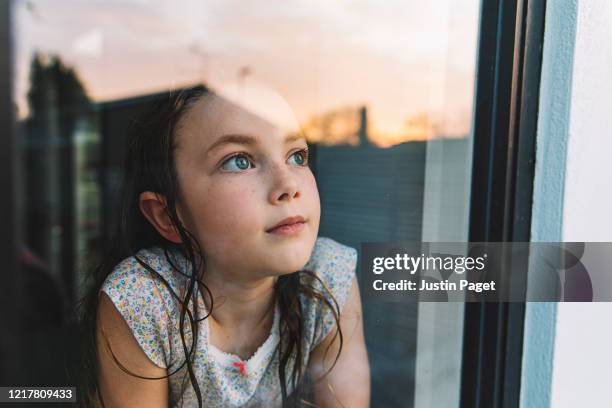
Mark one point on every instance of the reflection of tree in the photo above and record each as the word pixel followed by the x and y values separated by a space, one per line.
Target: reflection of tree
pixel 418 127
pixel 56 101
pixel 337 126
pixel 350 125
pixel 51 79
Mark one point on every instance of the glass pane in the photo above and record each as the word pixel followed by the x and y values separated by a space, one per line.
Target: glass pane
pixel 382 91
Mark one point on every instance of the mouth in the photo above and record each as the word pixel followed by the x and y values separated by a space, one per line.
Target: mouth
pixel 288 226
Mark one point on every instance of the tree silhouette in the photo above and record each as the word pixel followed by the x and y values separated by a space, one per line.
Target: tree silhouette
pixel 56 101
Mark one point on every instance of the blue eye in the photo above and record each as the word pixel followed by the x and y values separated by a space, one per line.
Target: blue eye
pixel 237 163
pixel 301 157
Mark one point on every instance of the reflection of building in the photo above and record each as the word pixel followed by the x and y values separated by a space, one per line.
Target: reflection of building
pixel 73 151
pixel 377 194
pixel 115 118
pixel 58 110
pixel 57 144
pixel 373 194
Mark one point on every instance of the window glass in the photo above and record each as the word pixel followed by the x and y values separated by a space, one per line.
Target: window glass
pixel 383 92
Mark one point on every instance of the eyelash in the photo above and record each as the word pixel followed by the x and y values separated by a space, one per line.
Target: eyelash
pixel 304 153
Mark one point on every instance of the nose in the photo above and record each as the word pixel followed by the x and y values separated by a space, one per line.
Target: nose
pixel 285 186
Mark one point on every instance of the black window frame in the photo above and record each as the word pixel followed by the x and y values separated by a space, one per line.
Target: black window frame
pixel 11 287
pixel 505 125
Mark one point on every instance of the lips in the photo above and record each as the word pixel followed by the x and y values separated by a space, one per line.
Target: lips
pixel 298 219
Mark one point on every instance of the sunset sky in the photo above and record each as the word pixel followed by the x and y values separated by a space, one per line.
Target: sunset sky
pixel 411 63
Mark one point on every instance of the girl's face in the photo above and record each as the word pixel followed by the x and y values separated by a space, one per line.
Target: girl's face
pixel 239 176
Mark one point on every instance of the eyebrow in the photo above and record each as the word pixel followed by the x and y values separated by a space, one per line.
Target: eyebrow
pixel 245 140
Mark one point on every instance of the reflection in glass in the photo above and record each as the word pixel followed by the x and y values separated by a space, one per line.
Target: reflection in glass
pixel 382 91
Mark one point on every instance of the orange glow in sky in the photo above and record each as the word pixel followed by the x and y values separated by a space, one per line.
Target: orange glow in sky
pixel 410 63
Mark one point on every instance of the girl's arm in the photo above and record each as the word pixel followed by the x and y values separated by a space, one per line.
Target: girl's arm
pixel 348 383
pixel 119 389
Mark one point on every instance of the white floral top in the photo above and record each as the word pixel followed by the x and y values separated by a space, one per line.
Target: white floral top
pixel 152 314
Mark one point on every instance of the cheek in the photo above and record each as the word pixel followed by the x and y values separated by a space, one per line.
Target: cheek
pixel 224 213
pixel 311 197
pixel 225 216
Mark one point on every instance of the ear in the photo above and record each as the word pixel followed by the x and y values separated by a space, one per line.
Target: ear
pixel 153 207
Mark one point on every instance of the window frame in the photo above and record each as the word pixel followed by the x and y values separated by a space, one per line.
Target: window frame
pixel 505 125
pixel 12 283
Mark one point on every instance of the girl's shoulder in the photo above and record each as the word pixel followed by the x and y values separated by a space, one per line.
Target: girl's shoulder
pixel 146 268
pixel 334 264
pixel 145 302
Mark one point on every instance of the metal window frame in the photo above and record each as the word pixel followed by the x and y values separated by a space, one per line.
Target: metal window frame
pixel 11 287
pixel 506 110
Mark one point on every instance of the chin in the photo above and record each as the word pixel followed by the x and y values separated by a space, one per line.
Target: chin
pixel 291 263
pixel 291 258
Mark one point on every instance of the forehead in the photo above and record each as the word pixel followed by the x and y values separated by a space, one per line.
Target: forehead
pixel 214 116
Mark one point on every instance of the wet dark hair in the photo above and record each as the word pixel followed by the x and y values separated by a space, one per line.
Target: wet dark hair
pixel 150 166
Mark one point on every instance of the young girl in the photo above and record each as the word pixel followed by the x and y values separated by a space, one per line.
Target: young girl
pixel 218 292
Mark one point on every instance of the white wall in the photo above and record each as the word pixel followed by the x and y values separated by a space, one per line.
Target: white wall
pixel 582 363
pixel 588 188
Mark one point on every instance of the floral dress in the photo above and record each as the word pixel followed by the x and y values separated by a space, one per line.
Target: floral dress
pixel 225 380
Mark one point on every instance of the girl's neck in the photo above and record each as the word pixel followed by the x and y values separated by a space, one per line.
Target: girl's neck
pixel 235 304
pixel 242 314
